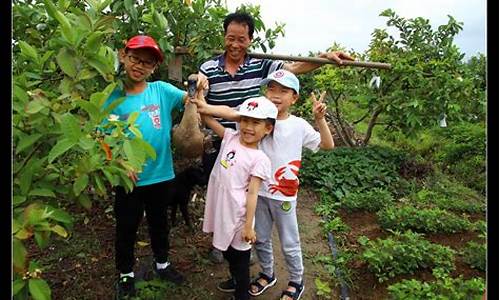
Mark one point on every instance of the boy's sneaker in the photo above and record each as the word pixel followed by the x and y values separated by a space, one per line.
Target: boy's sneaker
pixel 125 287
pixel 169 273
pixel 228 286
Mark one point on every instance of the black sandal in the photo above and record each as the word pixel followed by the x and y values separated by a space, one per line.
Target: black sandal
pixel 299 289
pixel 271 281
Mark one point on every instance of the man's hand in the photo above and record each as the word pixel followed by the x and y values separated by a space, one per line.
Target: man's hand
pixel 202 83
pixel 336 56
pixel 318 108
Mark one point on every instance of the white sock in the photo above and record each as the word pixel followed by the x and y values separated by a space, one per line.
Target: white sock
pixel 131 274
pixel 162 266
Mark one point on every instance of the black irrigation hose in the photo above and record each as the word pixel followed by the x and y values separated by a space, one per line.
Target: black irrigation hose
pixel 344 290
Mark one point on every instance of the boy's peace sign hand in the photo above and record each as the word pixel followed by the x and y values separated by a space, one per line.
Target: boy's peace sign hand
pixel 319 108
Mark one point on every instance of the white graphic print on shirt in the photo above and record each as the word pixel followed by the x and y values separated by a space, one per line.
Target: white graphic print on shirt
pixel 154 114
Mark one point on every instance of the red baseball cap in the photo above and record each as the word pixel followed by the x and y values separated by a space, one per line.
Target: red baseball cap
pixel 144 41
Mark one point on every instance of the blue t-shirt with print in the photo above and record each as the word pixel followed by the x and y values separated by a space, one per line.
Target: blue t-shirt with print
pixel 155 105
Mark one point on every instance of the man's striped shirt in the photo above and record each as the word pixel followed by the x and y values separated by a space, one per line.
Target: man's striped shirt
pixel 230 90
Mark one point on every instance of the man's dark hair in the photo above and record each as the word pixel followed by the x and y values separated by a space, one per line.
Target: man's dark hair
pixel 240 17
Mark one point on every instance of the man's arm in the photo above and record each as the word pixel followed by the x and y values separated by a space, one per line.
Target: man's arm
pixel 305 67
pixel 319 111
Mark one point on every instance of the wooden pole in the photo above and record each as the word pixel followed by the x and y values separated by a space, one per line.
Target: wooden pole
pixel 318 60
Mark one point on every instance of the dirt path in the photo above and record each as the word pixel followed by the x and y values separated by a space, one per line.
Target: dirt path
pixel 83 266
pixel 313 244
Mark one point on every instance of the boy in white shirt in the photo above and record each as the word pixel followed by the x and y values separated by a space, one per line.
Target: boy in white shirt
pixel 278 198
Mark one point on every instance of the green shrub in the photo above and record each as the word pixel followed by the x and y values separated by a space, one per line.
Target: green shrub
pixel 372 200
pixel 421 220
pixel 344 170
pixel 475 255
pixel 445 194
pixel 404 253
pixel 335 225
pixel 444 287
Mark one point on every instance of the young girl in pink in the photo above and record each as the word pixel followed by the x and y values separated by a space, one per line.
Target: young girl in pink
pixel 233 189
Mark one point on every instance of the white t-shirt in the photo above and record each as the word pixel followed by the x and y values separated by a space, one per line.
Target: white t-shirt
pixel 284 148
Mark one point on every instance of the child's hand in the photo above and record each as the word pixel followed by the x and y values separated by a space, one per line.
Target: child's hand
pixel 319 108
pixel 132 176
pixel 248 235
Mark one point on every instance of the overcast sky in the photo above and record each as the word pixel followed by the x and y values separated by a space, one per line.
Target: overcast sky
pixel 313 25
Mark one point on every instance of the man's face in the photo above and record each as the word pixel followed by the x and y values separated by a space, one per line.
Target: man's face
pixel 236 41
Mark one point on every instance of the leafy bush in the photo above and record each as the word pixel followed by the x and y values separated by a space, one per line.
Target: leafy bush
pixel 444 287
pixel 421 220
pixel 464 154
pixel 371 200
pixel 338 268
pixel 445 194
pixel 335 224
pixel 458 150
pixel 475 255
pixel 404 253
pixel 346 170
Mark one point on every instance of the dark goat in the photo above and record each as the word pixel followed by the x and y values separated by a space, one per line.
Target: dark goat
pixel 183 185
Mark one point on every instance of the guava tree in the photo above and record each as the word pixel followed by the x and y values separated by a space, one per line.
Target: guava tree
pixel 67 148
pixel 428 80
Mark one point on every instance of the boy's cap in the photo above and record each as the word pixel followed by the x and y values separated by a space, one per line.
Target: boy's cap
pixel 258 108
pixel 144 41
pixel 283 77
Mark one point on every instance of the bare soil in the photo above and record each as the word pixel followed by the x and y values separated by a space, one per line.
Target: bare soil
pixel 82 267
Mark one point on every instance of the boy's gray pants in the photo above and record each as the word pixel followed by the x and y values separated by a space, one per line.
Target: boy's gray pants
pixel 270 211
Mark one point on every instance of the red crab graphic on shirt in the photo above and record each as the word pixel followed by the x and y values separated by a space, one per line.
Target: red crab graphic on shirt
pixel 287 179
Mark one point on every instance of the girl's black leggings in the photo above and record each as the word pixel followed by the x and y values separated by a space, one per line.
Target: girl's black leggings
pixel 239 266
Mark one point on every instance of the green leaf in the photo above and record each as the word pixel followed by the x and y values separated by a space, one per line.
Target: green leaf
pixel 80 184
pixel 101 188
pixel 59 230
pixel 84 200
pixel 132 11
pixel 86 143
pixel 39 289
pixel 86 74
pixel 90 108
pixel 70 127
pixel 20 94
pixel 19 254
pixel 160 21
pixel 34 106
pixel 148 149
pixel 29 51
pixel 102 66
pixel 66 62
pixel 132 117
pixel 16 200
pixel 17 286
pixel 60 148
pixel 96 98
pixel 25 179
pixel 27 141
pixel 110 177
pixel 103 22
pixel 60 215
pixel 94 41
pixel 135 131
pixel 42 192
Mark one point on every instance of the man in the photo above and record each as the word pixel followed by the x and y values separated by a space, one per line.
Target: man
pixel 233 76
